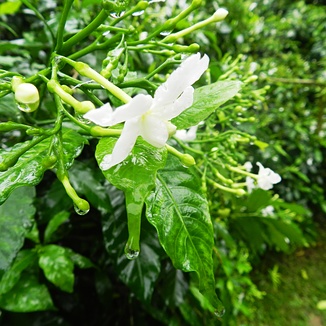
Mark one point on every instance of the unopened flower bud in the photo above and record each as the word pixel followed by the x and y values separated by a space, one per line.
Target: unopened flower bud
pixel 27 96
pixel 220 14
pixel 187 160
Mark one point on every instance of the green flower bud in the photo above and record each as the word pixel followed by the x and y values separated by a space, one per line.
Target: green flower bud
pixel 187 160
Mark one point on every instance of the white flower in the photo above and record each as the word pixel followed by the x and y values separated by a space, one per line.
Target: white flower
pixel 267 177
pixel 148 116
pixel 268 211
pixel 250 184
pixel 187 135
pixel 248 166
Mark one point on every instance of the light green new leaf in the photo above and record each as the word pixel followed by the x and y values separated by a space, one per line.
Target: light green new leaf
pixel 27 295
pixel 29 169
pixel 57 266
pixel 181 217
pixel 206 100
pixel 15 222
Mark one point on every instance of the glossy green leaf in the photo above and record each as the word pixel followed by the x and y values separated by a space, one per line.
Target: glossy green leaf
pixel 175 286
pixel 181 217
pixel 15 222
pixel 79 260
pixel 24 259
pixel 9 110
pixel 54 224
pixel 136 177
pixel 57 267
pixel 206 100
pixel 137 172
pixel 29 169
pixel 27 295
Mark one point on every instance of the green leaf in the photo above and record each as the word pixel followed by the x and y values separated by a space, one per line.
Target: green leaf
pixel 9 7
pixel 258 199
pixel 137 172
pixel 29 169
pixel 206 100
pixel 175 286
pixel 181 217
pixel 8 108
pixel 15 221
pixel 27 295
pixel 57 266
pixel 24 259
pixel 79 260
pixel 54 224
pixel 136 177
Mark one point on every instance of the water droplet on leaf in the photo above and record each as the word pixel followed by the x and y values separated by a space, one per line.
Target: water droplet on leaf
pixel 80 211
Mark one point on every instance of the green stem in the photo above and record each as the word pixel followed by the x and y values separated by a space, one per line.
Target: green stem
pixel 62 23
pixel 98 20
pixel 238 192
pixel 87 71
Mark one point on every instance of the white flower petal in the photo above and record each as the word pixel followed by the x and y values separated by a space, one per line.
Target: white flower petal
pixel 250 184
pixel 154 130
pixel 187 135
pixel 248 166
pixel 123 146
pixel 189 72
pixel 138 105
pixel 174 109
pixel 101 116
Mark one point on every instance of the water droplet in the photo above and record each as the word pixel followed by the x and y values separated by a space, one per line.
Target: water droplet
pixel 131 253
pixel 219 312
pixel 165 33
pixel 24 107
pixel 138 13
pixel 80 211
pixel 117 14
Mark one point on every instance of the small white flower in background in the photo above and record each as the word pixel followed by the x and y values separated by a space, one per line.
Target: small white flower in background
pixel 267 177
pixel 268 211
pixel 149 116
pixel 248 166
pixel 187 135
